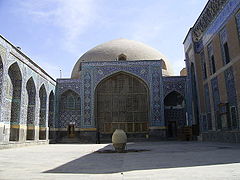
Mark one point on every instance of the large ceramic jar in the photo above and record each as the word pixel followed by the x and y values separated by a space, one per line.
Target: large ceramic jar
pixel 119 140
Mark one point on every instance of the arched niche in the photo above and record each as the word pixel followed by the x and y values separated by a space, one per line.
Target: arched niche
pixel 31 109
pixel 164 65
pixel 1 79
pixel 122 57
pixel 174 100
pixel 70 101
pixel 69 111
pixel 121 102
pixel 16 80
pixel 174 114
pixel 51 109
pixel 42 113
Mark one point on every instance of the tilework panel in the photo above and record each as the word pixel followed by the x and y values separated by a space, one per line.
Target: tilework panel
pixel 188 92
pixel 231 92
pixel 203 64
pixel 31 90
pixel 208 107
pixel 238 23
pixel 1 84
pixel 94 72
pixel 16 80
pixel 211 10
pixel 148 71
pixel 14 106
pixel 51 110
pixel 68 114
pixel 43 105
pixel 215 26
pixel 87 99
pixel 62 119
pixel 216 100
pixel 178 84
pixel 204 123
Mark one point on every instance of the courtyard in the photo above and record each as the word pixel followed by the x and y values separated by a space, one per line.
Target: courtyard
pixel 155 160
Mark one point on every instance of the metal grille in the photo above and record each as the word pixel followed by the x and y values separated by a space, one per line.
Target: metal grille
pixel 122 103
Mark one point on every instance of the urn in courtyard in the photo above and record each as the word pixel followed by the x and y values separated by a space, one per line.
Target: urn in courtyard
pixel 119 140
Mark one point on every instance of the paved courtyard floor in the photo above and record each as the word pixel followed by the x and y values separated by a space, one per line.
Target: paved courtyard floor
pixel 162 161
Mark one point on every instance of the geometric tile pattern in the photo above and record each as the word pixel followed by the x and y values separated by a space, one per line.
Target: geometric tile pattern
pixel 92 73
pixel 31 90
pixel 148 71
pixel 21 103
pixel 51 110
pixel 43 106
pixel 16 80
pixel 177 84
pixel 69 109
pixel 238 23
pixel 231 93
pixel 216 101
pixel 1 80
pixel 208 122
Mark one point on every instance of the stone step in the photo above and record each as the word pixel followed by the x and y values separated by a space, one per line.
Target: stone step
pixel 67 140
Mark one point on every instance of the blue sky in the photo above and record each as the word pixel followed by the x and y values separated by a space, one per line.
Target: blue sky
pixel 55 33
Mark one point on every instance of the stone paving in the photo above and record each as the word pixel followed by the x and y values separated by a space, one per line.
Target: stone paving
pixel 164 160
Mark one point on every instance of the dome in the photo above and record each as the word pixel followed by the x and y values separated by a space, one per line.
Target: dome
pixel 121 49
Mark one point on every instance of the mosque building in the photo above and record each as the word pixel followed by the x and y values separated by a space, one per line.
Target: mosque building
pixel 120 84
pixel 125 84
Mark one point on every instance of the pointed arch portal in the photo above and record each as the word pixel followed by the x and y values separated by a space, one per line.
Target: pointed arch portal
pixel 174 114
pixel 31 91
pixel 16 80
pixel 1 79
pixel 121 103
pixel 42 113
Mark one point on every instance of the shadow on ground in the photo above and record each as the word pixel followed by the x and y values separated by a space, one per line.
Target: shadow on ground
pixel 159 156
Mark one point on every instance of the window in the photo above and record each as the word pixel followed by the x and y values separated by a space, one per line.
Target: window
pixel 238 23
pixel 209 120
pixel 70 102
pixel 226 52
pixel 224 46
pixel 122 57
pixel 204 68
pixel 212 66
pixel 204 123
pixel 233 112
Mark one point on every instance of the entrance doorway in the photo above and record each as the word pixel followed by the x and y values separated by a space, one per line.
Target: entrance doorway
pixel 71 130
pixel 121 103
pixel 174 114
pixel 172 129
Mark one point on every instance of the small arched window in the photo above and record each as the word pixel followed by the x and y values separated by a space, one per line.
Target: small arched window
pixel 164 65
pixel 70 102
pixel 122 57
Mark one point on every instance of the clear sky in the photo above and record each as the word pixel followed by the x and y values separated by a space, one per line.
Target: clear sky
pixel 55 33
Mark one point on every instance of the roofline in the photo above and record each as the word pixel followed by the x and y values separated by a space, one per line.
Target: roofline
pixel 187 35
pixel 201 13
pixel 28 58
pixel 197 20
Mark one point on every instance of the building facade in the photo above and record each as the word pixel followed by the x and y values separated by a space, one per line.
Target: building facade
pixel 124 84
pixel 212 49
pixel 26 96
pixel 120 84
